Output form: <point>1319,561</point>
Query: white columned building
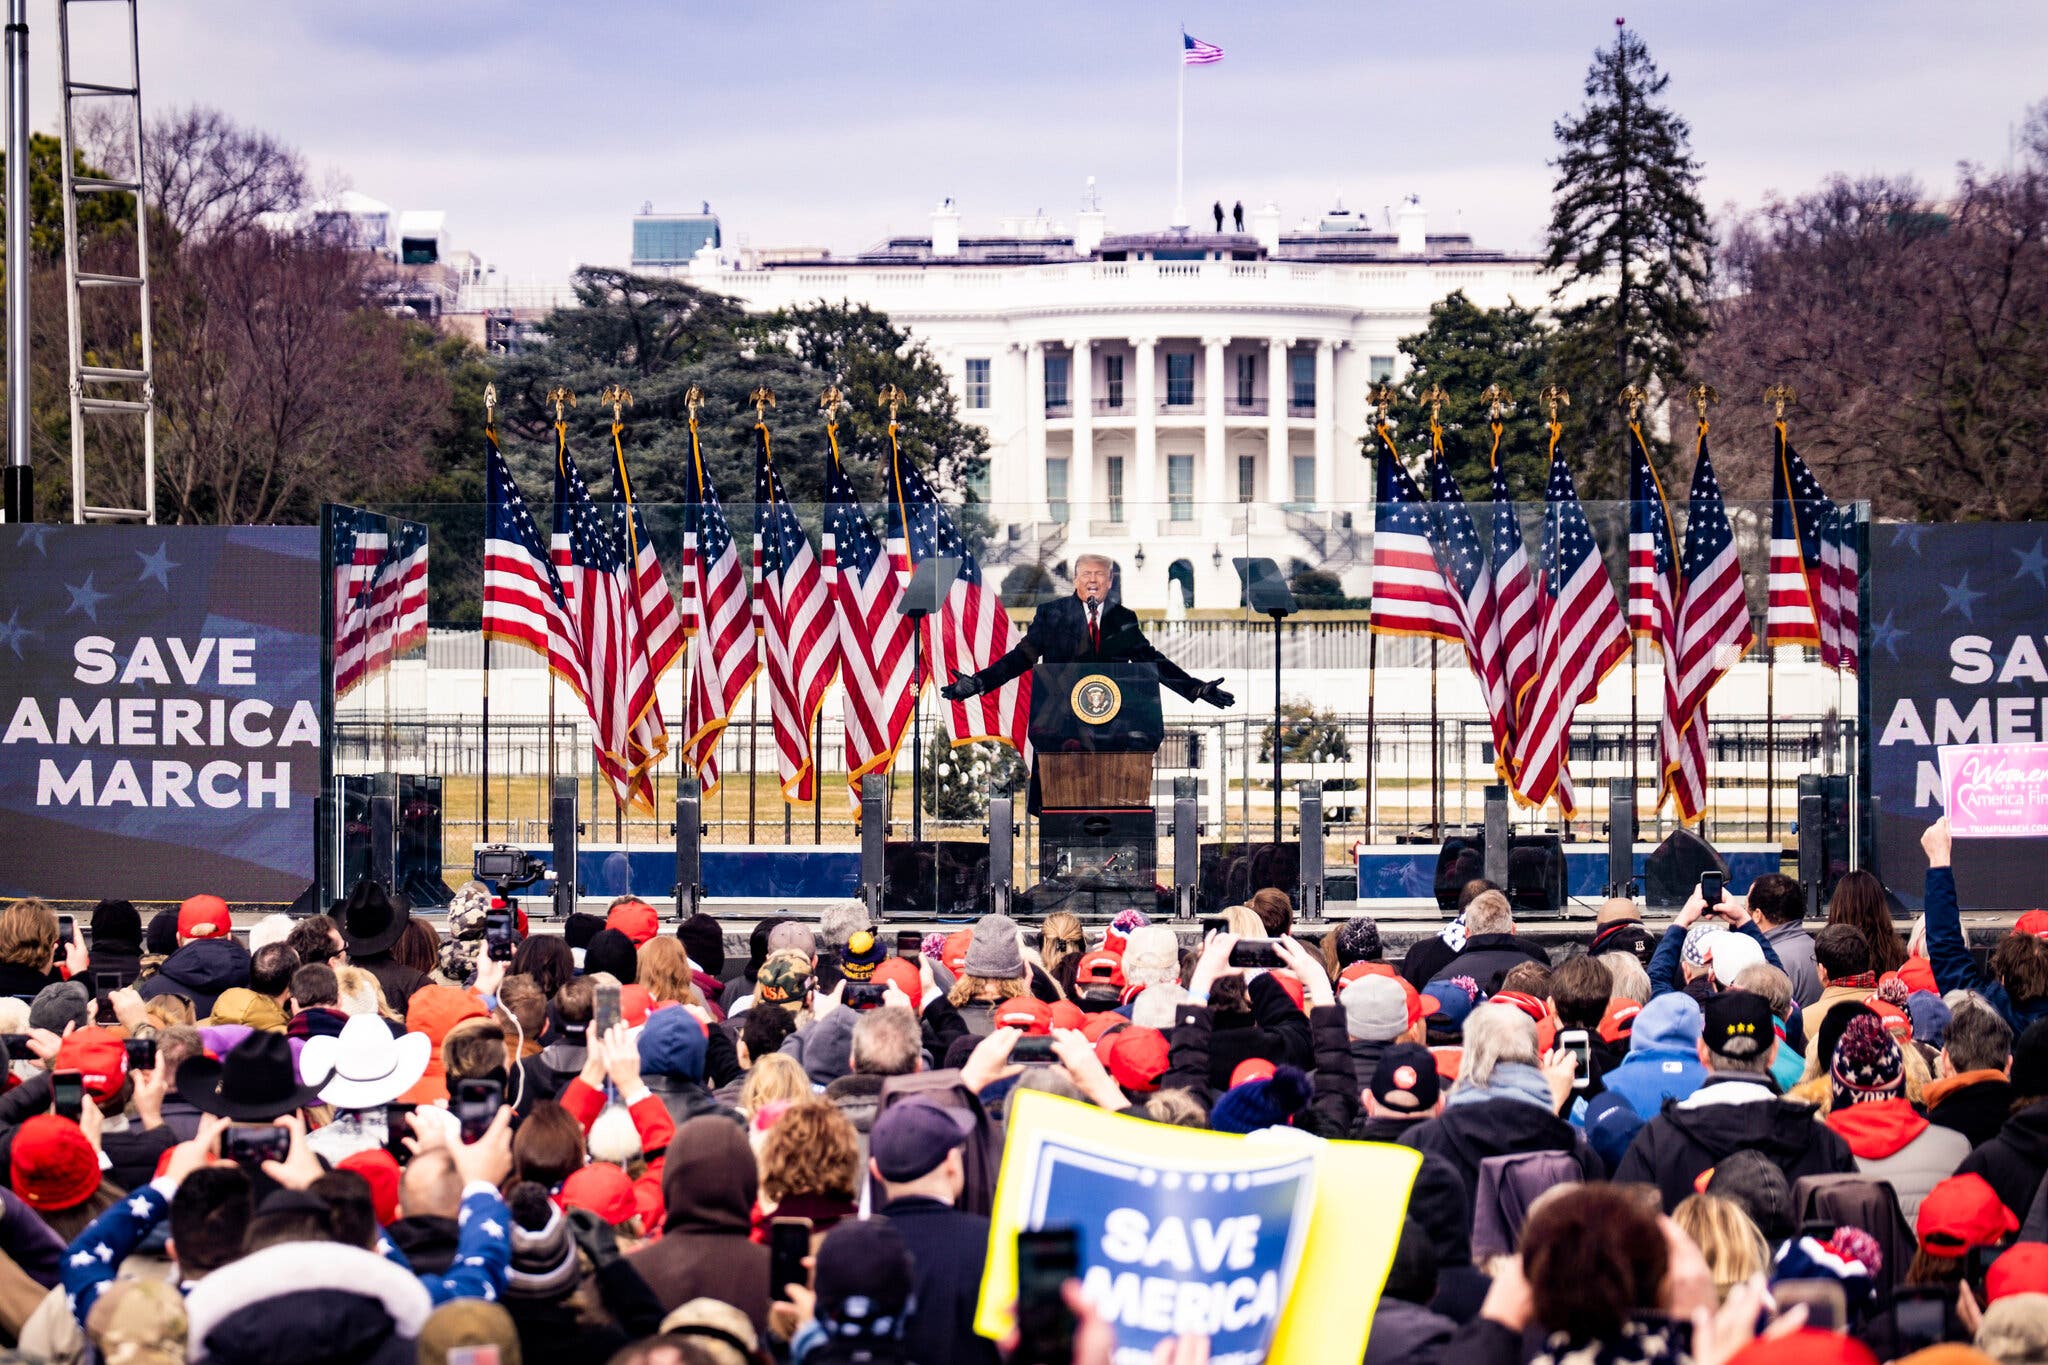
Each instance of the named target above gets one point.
<point>1171,399</point>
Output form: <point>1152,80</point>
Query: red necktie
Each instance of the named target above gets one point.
<point>1094,632</point>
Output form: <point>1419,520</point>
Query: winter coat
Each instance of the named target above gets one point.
<point>708,1183</point>
<point>1466,1134</point>
<point>1831,999</point>
<point>1975,1104</point>
<point>241,1005</point>
<point>1954,968</point>
<point>947,1250</point>
<point>1437,1199</point>
<point>1894,1144</point>
<point>559,1329</point>
<point>1489,957</point>
<point>1794,947</point>
<point>1401,1330</point>
<point>132,1150</point>
<point>1721,1118</point>
<point>112,955</point>
<point>1663,1061</point>
<point>426,1240</point>
<point>27,982</point>
<point>824,1047</point>
<point>316,1021</point>
<point>201,970</point>
<point>398,981</point>
<point>858,1097</point>
<point>2013,1162</point>
<point>309,1303</point>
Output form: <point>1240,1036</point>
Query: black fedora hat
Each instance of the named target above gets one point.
<point>257,1081</point>
<point>371,919</point>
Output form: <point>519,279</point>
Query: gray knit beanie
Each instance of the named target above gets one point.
<point>997,950</point>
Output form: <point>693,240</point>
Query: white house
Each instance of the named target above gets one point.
<point>1174,398</point>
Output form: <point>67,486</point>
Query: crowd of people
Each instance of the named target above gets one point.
<point>356,1138</point>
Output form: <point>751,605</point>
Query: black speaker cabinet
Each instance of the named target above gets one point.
<point>935,879</point>
<point>1673,870</point>
<point>1230,873</point>
<point>419,841</point>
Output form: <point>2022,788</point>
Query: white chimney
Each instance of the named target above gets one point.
<point>1266,225</point>
<point>1091,222</point>
<point>1412,239</point>
<point>946,229</point>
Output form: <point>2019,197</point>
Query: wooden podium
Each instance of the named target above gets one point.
<point>1095,728</point>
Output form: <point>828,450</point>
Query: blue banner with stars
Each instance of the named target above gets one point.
<point>159,710</point>
<point>1958,654</point>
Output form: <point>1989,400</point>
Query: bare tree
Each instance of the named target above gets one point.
<point>278,388</point>
<point>205,173</point>
<point>1916,333</point>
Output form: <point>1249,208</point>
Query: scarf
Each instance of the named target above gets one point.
<point>1638,1343</point>
<point>1510,1081</point>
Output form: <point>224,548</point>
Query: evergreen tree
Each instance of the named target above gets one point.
<point>1463,350</point>
<point>1629,236</point>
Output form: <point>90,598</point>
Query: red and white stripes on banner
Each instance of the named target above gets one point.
<point>874,638</point>
<point>1713,633</point>
<point>661,625</point>
<point>1793,617</point>
<point>723,658</point>
<point>793,615</point>
<point>1409,594</point>
<point>1514,592</point>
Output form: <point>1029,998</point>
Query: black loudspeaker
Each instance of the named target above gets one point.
<point>1536,878</point>
<point>419,841</point>
<point>1671,873</point>
<point>935,879</point>
<point>1230,873</point>
<point>1462,859</point>
<point>1833,834</point>
<point>1535,874</point>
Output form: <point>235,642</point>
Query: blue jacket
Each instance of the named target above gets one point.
<point>1954,968</point>
<point>483,1248</point>
<point>1663,1059</point>
<point>1666,973</point>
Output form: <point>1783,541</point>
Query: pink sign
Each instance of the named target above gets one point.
<point>1996,791</point>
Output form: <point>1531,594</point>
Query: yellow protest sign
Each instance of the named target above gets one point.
<point>1274,1246</point>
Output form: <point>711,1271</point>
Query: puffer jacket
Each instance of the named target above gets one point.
<point>1894,1143</point>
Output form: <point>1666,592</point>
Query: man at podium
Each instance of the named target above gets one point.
<point>1086,628</point>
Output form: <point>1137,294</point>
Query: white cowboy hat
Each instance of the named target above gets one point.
<point>365,1066</point>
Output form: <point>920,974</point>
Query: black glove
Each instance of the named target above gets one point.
<point>597,1237</point>
<point>1214,694</point>
<point>962,687</point>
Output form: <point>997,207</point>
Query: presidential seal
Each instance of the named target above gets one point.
<point>1096,699</point>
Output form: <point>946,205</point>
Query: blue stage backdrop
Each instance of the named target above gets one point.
<point>161,693</point>
<point>1956,655</point>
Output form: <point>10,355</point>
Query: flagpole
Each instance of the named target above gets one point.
<point>1435,396</point>
<point>560,397</point>
<point>1778,395</point>
<point>490,439</point>
<point>693,399</point>
<point>763,398</point>
<point>1180,136</point>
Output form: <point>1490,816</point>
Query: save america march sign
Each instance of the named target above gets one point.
<point>159,710</point>
<point>1272,1246</point>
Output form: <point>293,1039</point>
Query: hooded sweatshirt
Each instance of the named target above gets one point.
<point>1663,1061</point>
<point>1730,1113</point>
<point>2014,1161</point>
<point>1975,1103</point>
<point>1498,1122</point>
<point>435,1010</point>
<point>1893,1143</point>
<point>202,969</point>
<point>709,1182</point>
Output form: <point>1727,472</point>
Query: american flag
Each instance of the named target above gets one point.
<point>1713,632</point>
<point>604,614</point>
<point>1409,595</point>
<point>1462,559</point>
<point>1514,591</point>
<point>661,627</point>
<point>359,542</point>
<point>799,636</point>
<point>523,601</point>
<point>1798,510</point>
<point>1839,617</point>
<point>398,601</point>
<point>1653,586</point>
<point>715,614</point>
<point>1582,635</point>
<point>972,630</point>
<point>1195,52</point>
<point>874,638</point>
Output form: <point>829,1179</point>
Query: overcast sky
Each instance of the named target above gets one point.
<point>541,129</point>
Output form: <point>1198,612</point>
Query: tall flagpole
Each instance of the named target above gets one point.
<point>1632,399</point>
<point>1435,396</point>
<point>1778,395</point>
<point>490,439</point>
<point>560,397</point>
<point>763,398</point>
<point>1180,136</point>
